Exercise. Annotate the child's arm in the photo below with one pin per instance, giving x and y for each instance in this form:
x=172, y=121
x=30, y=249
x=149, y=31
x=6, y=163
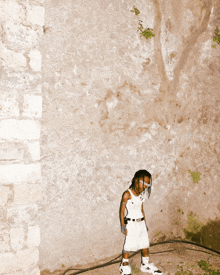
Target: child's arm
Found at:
x=125, y=197
x=142, y=210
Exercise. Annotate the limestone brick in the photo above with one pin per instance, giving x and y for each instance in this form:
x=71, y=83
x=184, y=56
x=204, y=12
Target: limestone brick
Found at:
x=30, y=83
x=35, y=15
x=30, y=271
x=19, y=129
x=27, y=193
x=19, y=37
x=36, y=2
x=33, y=238
x=7, y=263
x=35, y=271
x=10, y=152
x=27, y=258
x=17, y=273
x=18, y=173
x=34, y=150
x=4, y=239
x=17, y=215
x=11, y=59
x=3, y=219
x=11, y=10
x=8, y=105
x=22, y=260
x=17, y=236
x=35, y=60
x=32, y=106
x=4, y=194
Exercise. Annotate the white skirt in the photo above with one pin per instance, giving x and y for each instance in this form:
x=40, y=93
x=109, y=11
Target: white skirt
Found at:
x=137, y=236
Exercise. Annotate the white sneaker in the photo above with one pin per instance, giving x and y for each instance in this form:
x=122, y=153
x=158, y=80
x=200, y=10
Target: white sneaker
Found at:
x=125, y=269
x=150, y=268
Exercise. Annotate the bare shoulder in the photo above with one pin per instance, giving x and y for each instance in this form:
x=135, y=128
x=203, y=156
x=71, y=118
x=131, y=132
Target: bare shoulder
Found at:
x=126, y=196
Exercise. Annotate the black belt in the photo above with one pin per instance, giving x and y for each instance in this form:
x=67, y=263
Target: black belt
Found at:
x=134, y=220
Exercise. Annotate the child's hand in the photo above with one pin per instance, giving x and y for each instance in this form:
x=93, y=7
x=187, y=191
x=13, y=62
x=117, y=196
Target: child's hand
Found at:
x=123, y=229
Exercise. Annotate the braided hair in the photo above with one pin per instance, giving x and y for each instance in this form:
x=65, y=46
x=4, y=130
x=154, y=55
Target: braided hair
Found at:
x=140, y=174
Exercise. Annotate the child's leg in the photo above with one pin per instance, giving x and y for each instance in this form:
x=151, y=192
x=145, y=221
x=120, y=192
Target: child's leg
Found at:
x=145, y=252
x=125, y=255
x=145, y=256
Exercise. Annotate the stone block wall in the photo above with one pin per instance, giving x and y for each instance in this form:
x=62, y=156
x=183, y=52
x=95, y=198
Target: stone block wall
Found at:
x=21, y=29
x=113, y=103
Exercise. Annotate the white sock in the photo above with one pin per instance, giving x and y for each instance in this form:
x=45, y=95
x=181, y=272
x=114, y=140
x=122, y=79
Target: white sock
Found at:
x=145, y=260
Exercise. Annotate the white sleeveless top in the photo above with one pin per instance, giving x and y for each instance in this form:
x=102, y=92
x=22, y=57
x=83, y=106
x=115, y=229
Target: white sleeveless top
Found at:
x=133, y=207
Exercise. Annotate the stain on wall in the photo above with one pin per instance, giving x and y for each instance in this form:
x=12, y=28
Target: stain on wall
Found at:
x=206, y=234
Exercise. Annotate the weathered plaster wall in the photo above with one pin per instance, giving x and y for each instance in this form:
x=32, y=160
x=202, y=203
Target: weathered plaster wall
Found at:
x=114, y=103
x=21, y=28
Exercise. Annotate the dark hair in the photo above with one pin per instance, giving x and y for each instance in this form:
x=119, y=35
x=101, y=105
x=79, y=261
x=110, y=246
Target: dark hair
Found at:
x=140, y=174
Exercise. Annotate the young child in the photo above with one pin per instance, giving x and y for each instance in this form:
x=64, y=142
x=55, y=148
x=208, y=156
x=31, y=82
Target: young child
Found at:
x=134, y=225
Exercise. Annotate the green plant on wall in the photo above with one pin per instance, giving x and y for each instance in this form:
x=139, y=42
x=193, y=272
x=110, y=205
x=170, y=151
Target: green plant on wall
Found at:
x=216, y=37
x=145, y=32
x=135, y=10
x=180, y=211
x=195, y=176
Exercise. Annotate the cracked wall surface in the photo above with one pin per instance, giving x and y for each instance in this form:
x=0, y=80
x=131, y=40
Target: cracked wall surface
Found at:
x=21, y=28
x=113, y=103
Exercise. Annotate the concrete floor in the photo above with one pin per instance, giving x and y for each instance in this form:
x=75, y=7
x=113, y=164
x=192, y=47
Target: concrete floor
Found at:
x=174, y=258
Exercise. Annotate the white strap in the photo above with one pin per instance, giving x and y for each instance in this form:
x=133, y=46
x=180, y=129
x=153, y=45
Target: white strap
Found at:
x=125, y=260
x=130, y=193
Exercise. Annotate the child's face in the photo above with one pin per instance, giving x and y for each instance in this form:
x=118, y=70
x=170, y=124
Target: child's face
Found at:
x=140, y=186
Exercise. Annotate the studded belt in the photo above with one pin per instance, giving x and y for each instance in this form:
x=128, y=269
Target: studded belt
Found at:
x=135, y=220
